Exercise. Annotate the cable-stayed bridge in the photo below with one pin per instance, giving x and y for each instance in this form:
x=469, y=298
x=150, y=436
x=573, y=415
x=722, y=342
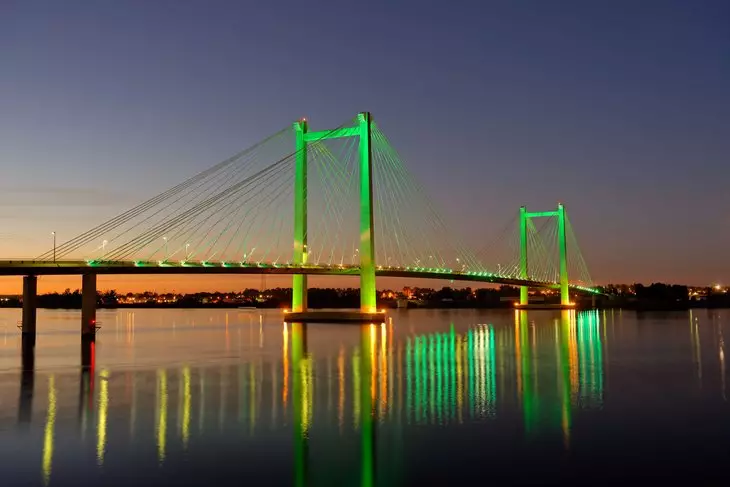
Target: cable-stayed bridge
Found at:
x=301, y=202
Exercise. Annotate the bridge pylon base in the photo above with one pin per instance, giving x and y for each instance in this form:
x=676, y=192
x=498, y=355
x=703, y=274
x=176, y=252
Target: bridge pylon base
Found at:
x=334, y=316
x=30, y=308
x=544, y=306
x=88, y=305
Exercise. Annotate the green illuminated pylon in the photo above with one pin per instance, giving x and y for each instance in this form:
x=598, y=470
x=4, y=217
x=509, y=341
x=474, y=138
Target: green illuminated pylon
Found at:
x=299, y=282
x=564, y=295
x=523, y=254
x=367, y=229
x=563, y=250
x=367, y=237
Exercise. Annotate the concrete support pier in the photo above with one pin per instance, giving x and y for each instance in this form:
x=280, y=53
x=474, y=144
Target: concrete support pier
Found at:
x=30, y=308
x=88, y=306
x=335, y=316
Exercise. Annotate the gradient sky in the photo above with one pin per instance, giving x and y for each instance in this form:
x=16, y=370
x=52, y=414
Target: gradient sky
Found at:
x=620, y=109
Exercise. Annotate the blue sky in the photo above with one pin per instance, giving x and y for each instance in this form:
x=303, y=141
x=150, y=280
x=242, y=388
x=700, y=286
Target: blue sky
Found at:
x=619, y=109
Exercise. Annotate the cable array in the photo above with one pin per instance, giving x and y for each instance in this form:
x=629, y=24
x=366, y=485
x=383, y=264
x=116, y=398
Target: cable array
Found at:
x=543, y=252
x=411, y=231
x=241, y=211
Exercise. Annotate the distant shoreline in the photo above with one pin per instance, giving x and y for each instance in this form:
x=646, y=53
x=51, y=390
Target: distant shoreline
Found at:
x=633, y=307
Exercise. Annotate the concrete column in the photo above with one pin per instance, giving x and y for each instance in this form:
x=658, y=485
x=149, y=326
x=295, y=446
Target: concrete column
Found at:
x=368, y=291
x=30, y=307
x=88, y=306
x=299, y=282
x=562, y=242
x=524, y=290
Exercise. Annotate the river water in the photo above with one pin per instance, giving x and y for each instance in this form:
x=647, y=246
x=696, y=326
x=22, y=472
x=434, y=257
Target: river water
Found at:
x=431, y=397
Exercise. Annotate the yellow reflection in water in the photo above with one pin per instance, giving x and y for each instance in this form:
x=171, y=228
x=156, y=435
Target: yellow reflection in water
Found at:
x=518, y=356
x=48, y=436
x=161, y=414
x=573, y=357
x=252, y=396
x=356, y=389
x=383, y=370
x=565, y=370
x=341, y=380
x=103, y=413
x=373, y=364
x=187, y=399
x=696, y=350
x=307, y=393
x=721, y=355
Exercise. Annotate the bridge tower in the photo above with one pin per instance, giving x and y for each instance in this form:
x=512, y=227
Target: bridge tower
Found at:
x=299, y=281
x=525, y=222
x=363, y=130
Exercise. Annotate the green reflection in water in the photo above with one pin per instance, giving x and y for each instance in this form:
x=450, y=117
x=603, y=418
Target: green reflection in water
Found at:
x=367, y=392
x=298, y=350
x=590, y=357
x=447, y=375
x=578, y=354
x=564, y=370
x=526, y=372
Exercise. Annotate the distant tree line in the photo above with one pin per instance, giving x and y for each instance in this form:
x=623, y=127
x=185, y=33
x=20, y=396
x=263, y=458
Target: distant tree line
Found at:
x=665, y=296
x=638, y=296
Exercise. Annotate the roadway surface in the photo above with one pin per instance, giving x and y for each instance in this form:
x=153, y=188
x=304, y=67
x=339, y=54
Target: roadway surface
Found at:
x=79, y=267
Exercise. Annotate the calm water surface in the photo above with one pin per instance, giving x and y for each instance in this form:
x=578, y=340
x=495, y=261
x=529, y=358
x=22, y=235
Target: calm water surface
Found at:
x=215, y=397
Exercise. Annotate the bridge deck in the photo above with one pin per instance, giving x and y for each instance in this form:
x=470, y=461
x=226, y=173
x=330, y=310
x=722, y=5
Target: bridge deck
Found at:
x=43, y=268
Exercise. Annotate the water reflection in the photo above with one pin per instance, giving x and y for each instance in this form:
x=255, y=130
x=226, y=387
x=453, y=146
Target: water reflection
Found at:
x=27, y=382
x=161, y=418
x=48, y=436
x=721, y=357
x=370, y=390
